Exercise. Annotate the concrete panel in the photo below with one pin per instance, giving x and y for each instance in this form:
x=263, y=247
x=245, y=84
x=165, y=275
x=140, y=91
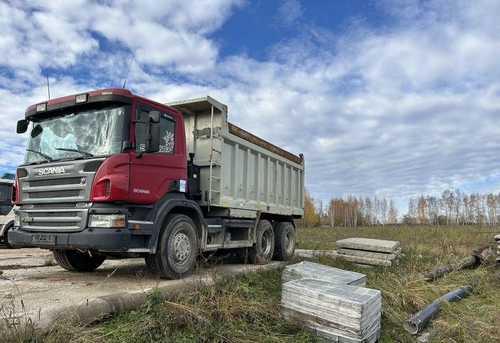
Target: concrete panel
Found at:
x=310, y=270
x=369, y=244
x=370, y=254
x=366, y=260
x=340, y=313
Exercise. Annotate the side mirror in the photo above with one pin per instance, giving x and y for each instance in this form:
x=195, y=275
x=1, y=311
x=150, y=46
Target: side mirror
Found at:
x=22, y=126
x=141, y=133
x=154, y=122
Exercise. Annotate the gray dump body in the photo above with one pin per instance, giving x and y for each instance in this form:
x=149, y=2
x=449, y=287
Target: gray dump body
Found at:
x=240, y=173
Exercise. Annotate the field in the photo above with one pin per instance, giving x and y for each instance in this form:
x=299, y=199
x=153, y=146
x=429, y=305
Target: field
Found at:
x=246, y=309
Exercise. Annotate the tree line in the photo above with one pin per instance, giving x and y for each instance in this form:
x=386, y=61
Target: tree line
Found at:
x=453, y=207
x=350, y=211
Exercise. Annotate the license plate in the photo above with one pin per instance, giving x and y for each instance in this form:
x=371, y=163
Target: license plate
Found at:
x=44, y=239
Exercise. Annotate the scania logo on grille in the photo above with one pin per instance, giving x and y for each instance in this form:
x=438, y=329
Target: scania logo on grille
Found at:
x=51, y=170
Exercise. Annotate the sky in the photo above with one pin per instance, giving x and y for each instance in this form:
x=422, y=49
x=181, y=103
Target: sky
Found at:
x=387, y=98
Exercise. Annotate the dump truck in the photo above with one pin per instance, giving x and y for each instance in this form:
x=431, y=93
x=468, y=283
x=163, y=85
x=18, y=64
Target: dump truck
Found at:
x=111, y=174
x=6, y=212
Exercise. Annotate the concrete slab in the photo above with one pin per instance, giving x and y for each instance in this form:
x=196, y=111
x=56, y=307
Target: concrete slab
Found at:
x=340, y=313
x=368, y=244
x=25, y=258
x=369, y=254
x=366, y=260
x=306, y=253
x=310, y=270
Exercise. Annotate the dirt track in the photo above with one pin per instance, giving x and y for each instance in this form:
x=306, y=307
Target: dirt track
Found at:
x=29, y=284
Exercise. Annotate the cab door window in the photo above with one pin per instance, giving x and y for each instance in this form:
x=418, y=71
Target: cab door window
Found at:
x=167, y=134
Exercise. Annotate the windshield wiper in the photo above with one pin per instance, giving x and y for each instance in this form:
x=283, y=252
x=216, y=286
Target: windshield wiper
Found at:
x=47, y=157
x=88, y=154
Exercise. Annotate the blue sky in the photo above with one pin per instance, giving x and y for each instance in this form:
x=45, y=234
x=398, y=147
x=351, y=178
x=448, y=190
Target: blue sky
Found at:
x=387, y=98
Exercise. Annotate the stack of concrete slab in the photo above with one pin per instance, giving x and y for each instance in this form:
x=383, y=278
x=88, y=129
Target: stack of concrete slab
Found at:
x=332, y=302
x=497, y=239
x=339, y=313
x=376, y=252
x=310, y=270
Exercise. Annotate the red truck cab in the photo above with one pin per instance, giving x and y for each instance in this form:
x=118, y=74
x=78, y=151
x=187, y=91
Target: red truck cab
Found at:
x=89, y=185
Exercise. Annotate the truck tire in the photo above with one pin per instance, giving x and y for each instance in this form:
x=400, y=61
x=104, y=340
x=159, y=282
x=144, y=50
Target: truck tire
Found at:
x=4, y=240
x=284, y=234
x=262, y=251
x=177, y=248
x=74, y=260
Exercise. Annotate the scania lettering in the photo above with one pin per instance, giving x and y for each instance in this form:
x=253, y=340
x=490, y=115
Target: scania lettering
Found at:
x=111, y=174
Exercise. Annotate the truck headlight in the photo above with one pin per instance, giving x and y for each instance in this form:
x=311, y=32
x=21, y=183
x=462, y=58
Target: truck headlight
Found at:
x=17, y=219
x=114, y=221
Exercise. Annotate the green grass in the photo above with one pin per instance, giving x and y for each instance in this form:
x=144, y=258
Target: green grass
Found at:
x=246, y=309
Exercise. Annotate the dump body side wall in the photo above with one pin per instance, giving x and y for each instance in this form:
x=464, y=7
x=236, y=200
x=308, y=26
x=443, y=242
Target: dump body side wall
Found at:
x=255, y=178
x=240, y=171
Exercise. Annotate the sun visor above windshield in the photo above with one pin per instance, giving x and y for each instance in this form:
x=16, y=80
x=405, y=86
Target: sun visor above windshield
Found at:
x=49, y=108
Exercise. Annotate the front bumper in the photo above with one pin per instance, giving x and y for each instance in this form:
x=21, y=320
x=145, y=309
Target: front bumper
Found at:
x=105, y=240
x=134, y=238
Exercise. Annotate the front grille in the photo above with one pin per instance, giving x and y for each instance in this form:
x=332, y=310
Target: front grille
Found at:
x=55, y=225
x=51, y=202
x=57, y=182
x=54, y=194
x=62, y=205
x=48, y=214
x=54, y=219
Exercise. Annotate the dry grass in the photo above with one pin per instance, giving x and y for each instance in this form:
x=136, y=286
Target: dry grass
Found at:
x=243, y=309
x=246, y=309
x=475, y=319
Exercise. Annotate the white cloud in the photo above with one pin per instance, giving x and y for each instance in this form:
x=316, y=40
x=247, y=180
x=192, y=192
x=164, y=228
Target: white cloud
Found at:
x=170, y=35
x=410, y=107
x=289, y=12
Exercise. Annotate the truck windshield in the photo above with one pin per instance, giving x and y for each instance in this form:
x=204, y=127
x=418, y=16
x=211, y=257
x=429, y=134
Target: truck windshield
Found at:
x=88, y=133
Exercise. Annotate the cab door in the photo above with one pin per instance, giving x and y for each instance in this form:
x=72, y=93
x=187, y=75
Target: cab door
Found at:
x=154, y=174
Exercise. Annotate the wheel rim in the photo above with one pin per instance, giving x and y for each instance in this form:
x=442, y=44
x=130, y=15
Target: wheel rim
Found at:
x=182, y=248
x=266, y=243
x=289, y=242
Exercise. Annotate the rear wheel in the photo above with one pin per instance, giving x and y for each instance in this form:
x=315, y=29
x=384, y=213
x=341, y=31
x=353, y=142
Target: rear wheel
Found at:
x=285, y=241
x=75, y=260
x=262, y=251
x=177, y=248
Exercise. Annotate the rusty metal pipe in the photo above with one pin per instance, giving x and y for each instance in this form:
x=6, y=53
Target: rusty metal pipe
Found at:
x=419, y=320
x=478, y=257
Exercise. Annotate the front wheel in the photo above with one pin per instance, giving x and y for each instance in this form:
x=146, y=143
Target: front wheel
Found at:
x=4, y=239
x=77, y=261
x=177, y=248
